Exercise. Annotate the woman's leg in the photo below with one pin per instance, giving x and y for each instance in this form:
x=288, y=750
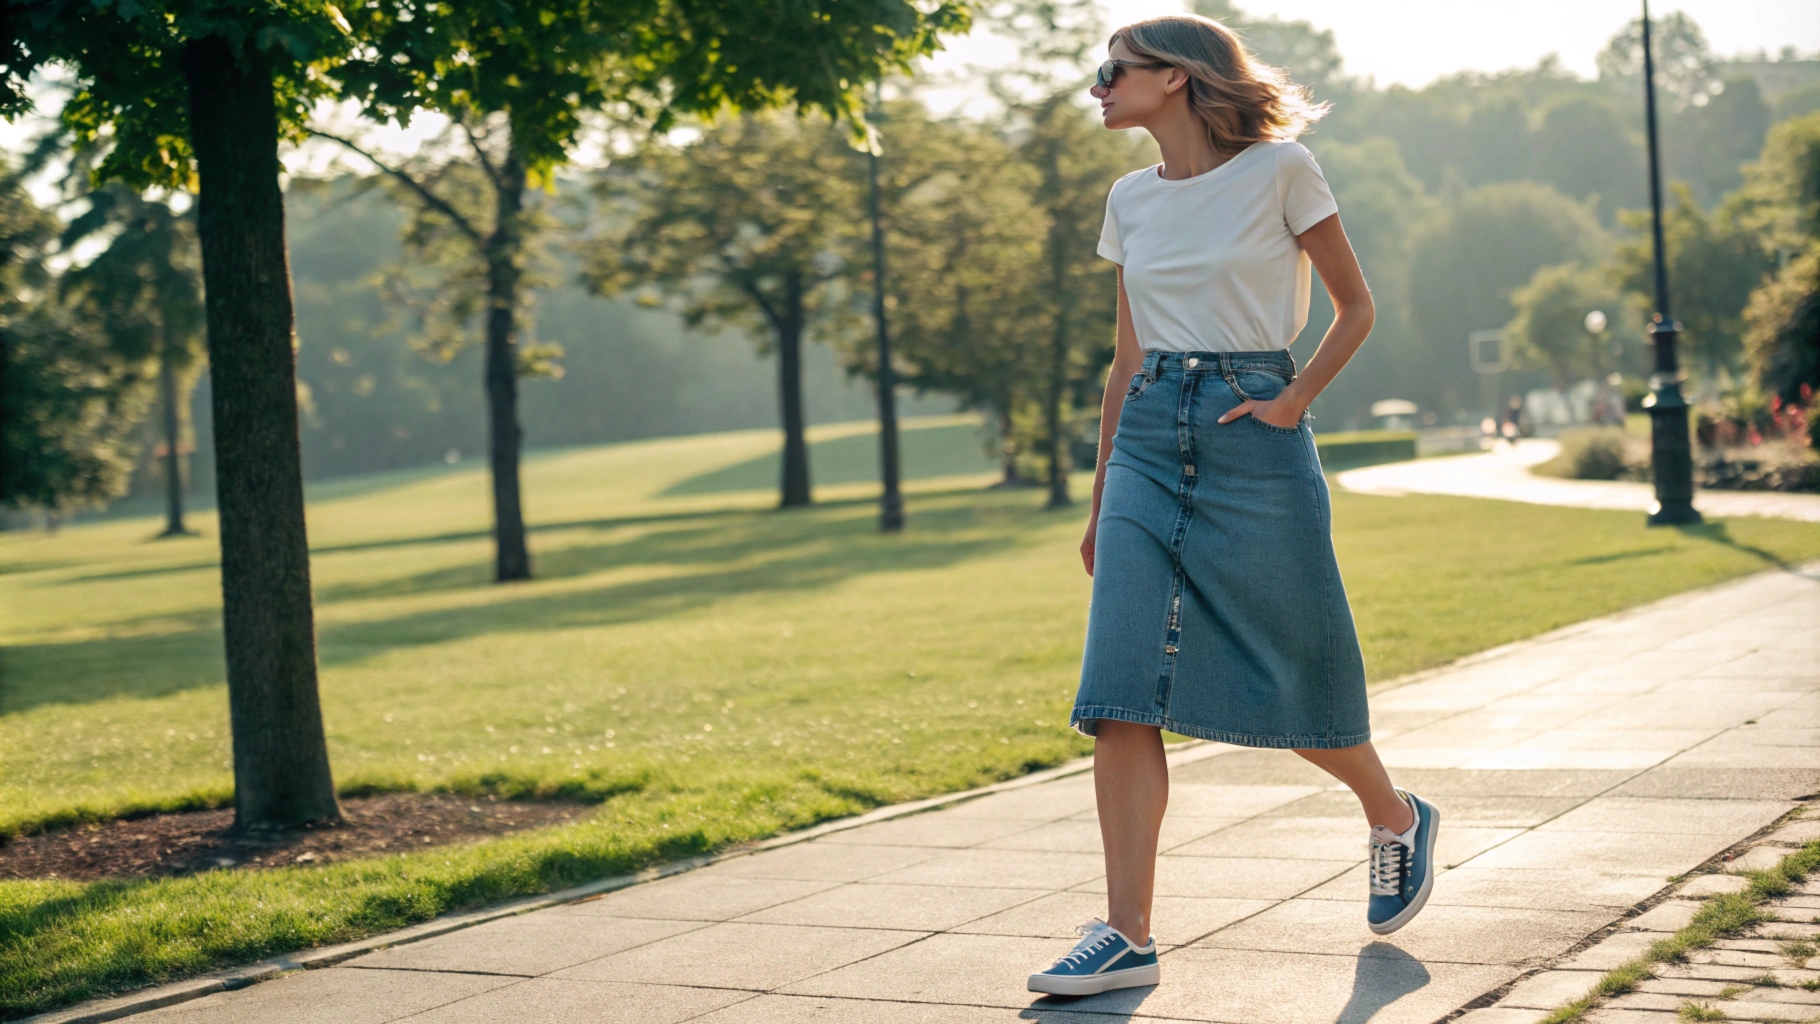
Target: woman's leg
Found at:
x=1359, y=768
x=1131, y=783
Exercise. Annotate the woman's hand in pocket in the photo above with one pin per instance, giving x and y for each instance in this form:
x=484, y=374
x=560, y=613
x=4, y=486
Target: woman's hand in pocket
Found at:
x=1279, y=412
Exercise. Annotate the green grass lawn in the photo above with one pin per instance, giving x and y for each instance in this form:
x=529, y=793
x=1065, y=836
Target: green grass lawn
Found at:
x=709, y=670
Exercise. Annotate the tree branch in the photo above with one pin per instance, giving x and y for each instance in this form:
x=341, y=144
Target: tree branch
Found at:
x=480, y=154
x=430, y=199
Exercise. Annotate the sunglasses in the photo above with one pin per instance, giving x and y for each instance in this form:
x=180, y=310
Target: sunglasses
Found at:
x=1109, y=71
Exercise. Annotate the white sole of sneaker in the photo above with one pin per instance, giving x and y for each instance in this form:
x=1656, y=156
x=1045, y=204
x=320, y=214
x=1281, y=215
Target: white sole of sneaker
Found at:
x=1131, y=977
x=1428, y=882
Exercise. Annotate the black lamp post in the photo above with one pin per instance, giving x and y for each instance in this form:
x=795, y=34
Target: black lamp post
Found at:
x=891, y=502
x=1671, y=456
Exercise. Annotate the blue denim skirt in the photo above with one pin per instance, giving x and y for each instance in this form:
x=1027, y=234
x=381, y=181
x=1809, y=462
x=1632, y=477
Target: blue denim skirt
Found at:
x=1218, y=610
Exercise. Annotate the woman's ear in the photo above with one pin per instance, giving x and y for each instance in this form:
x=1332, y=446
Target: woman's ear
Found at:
x=1177, y=79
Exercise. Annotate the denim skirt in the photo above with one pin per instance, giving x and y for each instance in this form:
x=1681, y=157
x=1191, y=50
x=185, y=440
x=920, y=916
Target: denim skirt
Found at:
x=1218, y=610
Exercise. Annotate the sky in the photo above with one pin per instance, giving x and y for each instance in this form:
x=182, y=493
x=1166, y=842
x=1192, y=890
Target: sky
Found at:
x=1414, y=42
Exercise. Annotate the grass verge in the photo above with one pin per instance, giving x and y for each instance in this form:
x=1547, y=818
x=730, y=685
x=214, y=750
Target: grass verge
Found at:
x=1720, y=917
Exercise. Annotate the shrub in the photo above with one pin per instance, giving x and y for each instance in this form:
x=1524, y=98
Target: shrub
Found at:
x=1594, y=453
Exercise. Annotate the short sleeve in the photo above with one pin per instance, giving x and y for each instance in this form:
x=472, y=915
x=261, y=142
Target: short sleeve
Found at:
x=1307, y=200
x=1110, y=245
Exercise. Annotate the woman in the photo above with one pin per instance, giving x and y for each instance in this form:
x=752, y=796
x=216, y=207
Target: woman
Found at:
x=1218, y=610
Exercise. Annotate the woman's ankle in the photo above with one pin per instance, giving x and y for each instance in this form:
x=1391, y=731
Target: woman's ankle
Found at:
x=1134, y=928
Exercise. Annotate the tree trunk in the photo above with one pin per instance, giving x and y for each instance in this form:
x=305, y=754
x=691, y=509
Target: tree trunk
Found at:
x=504, y=250
x=1052, y=417
x=790, y=395
x=1008, y=450
x=173, y=434
x=281, y=762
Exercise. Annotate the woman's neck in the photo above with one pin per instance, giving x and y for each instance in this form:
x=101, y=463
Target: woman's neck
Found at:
x=1182, y=138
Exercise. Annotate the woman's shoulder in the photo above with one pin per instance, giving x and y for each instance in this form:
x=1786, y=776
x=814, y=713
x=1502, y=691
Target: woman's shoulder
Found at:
x=1290, y=155
x=1130, y=179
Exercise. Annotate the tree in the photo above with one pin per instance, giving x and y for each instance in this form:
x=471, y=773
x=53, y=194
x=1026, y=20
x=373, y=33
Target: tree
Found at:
x=1714, y=264
x=144, y=291
x=526, y=72
x=1549, y=330
x=1076, y=161
x=1309, y=54
x=185, y=94
x=749, y=226
x=68, y=402
x=1682, y=58
x=966, y=247
x=1781, y=200
x=1464, y=264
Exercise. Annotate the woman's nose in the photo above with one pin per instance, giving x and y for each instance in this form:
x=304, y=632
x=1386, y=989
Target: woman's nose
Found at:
x=1099, y=91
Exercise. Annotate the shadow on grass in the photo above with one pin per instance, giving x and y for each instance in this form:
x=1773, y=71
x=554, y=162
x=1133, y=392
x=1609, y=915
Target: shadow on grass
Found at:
x=711, y=557
x=948, y=450
x=1716, y=532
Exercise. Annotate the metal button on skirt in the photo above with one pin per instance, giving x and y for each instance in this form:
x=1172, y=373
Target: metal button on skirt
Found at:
x=1218, y=610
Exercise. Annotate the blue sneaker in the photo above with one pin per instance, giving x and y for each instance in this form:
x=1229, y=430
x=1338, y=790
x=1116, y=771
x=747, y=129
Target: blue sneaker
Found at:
x=1103, y=960
x=1402, y=867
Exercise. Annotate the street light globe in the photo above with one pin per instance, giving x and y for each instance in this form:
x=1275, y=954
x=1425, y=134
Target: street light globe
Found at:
x=1595, y=322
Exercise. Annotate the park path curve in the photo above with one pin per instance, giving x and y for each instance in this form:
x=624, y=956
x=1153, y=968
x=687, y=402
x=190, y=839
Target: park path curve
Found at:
x=1503, y=473
x=1576, y=773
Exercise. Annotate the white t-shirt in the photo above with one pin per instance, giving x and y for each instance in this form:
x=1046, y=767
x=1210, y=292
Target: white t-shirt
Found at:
x=1211, y=262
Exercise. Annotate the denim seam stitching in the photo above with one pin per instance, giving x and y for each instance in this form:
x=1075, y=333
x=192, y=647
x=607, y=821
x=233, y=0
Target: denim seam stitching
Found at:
x=1305, y=741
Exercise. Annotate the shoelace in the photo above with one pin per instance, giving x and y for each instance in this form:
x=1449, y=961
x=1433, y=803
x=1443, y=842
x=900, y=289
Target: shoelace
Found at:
x=1095, y=934
x=1387, y=860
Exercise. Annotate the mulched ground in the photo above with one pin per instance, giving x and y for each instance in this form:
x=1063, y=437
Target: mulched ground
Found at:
x=181, y=844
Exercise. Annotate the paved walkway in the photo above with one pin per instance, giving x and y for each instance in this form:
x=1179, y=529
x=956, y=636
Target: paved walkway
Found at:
x=1504, y=473
x=1576, y=774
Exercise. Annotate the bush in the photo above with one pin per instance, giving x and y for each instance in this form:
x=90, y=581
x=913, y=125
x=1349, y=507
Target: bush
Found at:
x=1594, y=453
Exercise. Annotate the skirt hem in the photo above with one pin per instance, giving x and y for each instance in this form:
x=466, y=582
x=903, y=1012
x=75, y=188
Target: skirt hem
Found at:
x=1081, y=716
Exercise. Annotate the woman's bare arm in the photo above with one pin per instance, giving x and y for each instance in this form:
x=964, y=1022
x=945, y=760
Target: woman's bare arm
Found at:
x=1333, y=258
x=1127, y=360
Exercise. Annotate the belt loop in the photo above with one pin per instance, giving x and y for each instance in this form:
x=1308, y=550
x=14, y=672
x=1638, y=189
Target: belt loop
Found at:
x=1226, y=365
x=1152, y=364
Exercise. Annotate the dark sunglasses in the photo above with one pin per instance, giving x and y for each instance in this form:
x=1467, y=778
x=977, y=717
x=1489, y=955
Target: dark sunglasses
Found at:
x=1109, y=71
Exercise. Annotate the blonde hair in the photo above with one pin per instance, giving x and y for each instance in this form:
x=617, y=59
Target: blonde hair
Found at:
x=1239, y=99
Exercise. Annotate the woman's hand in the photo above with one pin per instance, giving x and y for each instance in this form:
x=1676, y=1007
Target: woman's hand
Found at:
x=1281, y=411
x=1093, y=527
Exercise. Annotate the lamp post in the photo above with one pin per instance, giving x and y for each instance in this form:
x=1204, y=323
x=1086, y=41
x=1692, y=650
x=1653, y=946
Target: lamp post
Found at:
x=1671, y=455
x=891, y=502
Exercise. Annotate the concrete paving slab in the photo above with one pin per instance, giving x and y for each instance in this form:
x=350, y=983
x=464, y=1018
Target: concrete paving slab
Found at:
x=757, y=957
x=1199, y=800
x=1249, y=987
x=1480, y=935
x=824, y=862
x=1639, y=853
x=1037, y=803
x=933, y=829
x=1076, y=835
x=1669, y=815
x=1667, y=916
x=1550, y=989
x=984, y=970
x=1174, y=919
x=696, y=896
x=331, y=996
x=775, y=1009
x=1001, y=869
x=1612, y=951
x=1235, y=877
x=1798, y=832
x=1765, y=783
x=1507, y=783
x=1714, y=885
x=596, y=1002
x=912, y=907
x=1249, y=766
x=1500, y=1015
x=1543, y=889
x=529, y=944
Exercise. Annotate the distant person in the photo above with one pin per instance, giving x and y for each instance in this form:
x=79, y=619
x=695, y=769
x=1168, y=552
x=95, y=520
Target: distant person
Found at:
x=1513, y=419
x=1218, y=609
